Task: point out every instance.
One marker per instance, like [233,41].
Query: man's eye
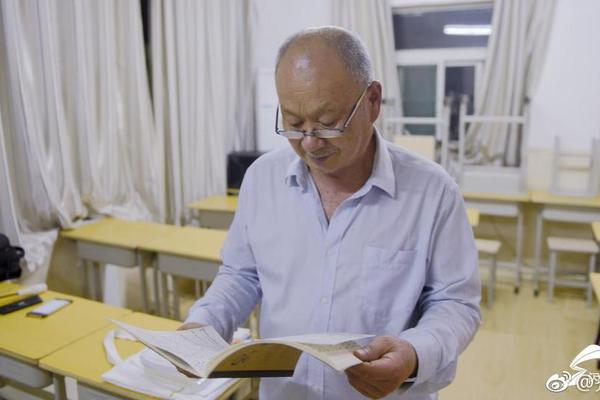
[327,124]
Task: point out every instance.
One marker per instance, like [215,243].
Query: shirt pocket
[386,285]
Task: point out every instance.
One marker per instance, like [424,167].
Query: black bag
[9,259]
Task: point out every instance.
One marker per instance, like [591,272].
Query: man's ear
[374,97]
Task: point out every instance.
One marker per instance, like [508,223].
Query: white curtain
[372,21]
[75,118]
[203,93]
[515,55]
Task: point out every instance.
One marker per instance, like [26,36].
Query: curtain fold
[372,21]
[515,55]
[203,93]
[77,127]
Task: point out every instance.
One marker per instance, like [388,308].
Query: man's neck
[348,180]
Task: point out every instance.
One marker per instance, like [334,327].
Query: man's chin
[325,168]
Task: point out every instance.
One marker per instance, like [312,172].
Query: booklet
[203,352]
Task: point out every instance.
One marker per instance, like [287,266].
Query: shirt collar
[382,175]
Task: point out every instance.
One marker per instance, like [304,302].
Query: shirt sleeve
[449,304]
[236,289]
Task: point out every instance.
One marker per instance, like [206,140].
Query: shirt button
[324,300]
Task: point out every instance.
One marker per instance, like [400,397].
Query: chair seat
[487,246]
[583,246]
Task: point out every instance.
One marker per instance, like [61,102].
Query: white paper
[194,346]
[323,338]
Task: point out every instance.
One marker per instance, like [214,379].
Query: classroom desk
[596,230]
[85,360]
[506,206]
[215,212]
[561,209]
[595,278]
[113,241]
[473,217]
[187,252]
[24,340]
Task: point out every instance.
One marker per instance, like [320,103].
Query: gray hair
[347,45]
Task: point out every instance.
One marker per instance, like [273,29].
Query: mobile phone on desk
[20,304]
[49,308]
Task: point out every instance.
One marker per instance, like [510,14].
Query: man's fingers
[374,350]
[375,371]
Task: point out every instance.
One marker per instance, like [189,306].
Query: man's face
[317,92]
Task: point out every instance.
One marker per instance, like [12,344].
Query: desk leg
[87,292]
[60,390]
[142,266]
[197,289]
[97,269]
[519,249]
[165,301]
[597,341]
[176,314]
[538,253]
[157,302]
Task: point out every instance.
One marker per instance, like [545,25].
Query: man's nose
[312,143]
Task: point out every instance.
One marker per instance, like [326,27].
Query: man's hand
[189,325]
[387,363]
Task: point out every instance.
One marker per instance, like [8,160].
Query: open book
[202,352]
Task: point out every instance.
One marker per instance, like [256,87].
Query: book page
[338,356]
[334,349]
[195,347]
[323,338]
[278,356]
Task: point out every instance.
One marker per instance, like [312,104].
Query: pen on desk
[35,289]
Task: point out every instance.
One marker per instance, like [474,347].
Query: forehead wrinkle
[315,109]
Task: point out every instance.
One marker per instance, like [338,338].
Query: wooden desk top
[473,216]
[118,232]
[109,231]
[192,242]
[216,203]
[197,243]
[596,229]
[29,339]
[85,359]
[516,198]
[569,201]
[595,278]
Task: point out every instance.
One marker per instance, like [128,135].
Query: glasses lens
[291,134]
[327,133]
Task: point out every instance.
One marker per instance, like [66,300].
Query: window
[441,29]
[440,55]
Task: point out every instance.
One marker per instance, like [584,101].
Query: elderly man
[345,232]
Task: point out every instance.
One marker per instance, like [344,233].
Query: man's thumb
[371,352]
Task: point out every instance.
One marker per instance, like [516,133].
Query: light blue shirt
[397,258]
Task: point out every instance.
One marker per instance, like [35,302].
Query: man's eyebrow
[287,112]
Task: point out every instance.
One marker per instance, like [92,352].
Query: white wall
[275,20]
[431,3]
[567,100]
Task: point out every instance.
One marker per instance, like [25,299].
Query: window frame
[441,57]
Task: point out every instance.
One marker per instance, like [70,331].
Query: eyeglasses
[329,133]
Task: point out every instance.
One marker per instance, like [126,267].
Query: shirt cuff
[429,353]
